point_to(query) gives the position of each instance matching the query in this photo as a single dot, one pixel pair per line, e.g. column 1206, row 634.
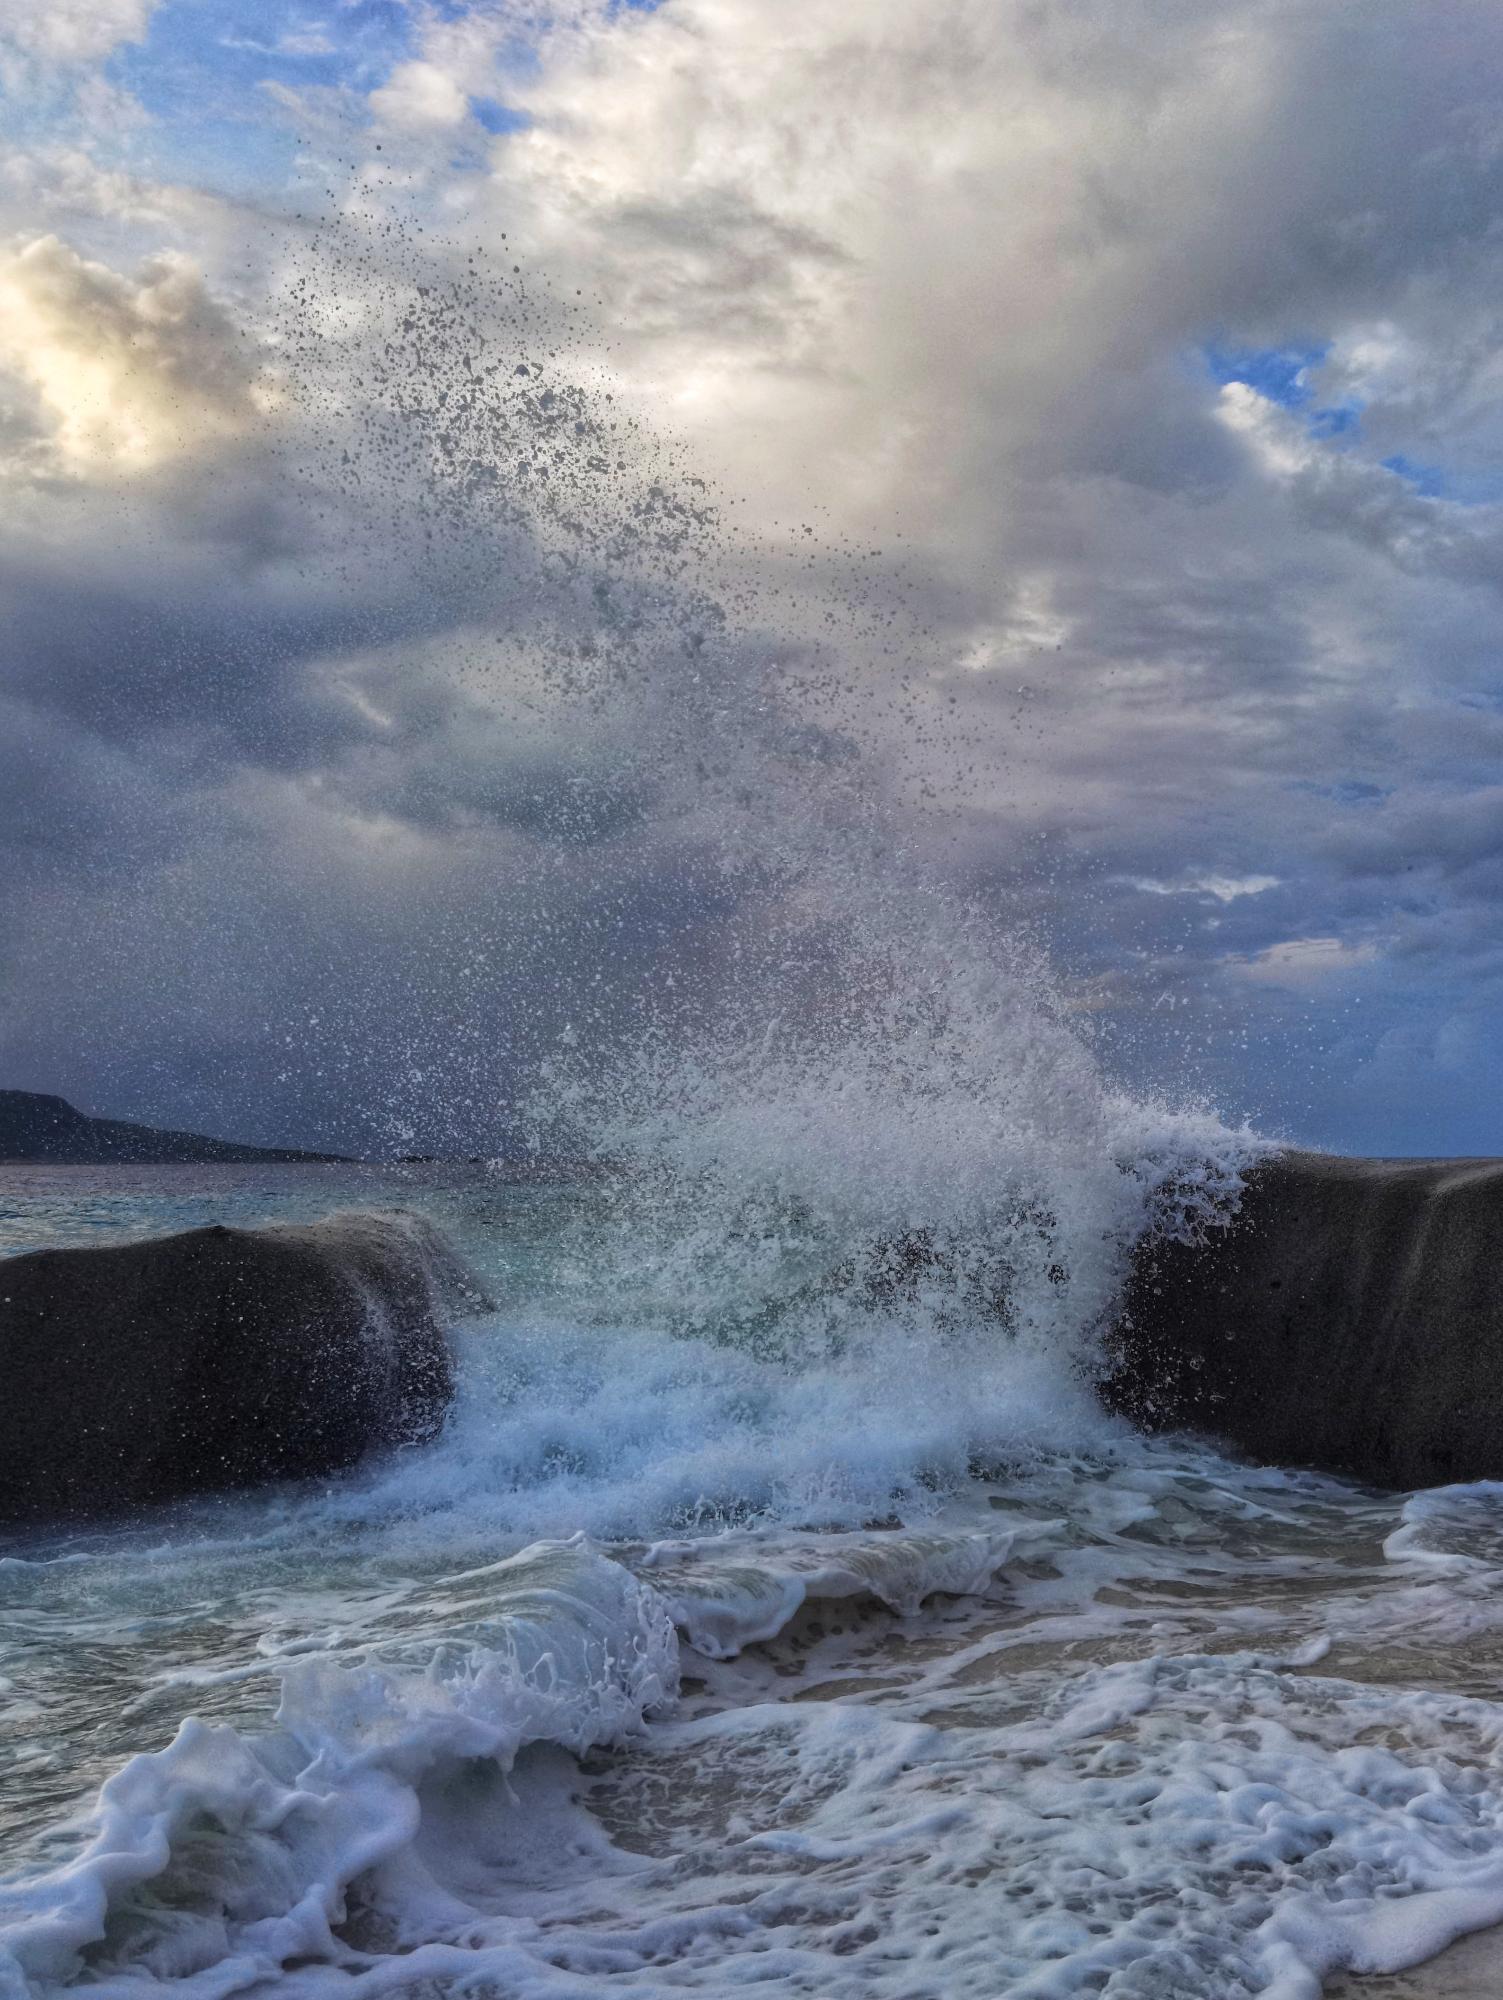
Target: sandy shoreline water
column 1470, row 1969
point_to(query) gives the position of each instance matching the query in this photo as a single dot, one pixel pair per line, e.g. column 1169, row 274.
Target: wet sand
column 1470, row 1969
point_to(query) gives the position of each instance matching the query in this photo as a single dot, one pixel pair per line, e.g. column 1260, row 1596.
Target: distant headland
column 38, row 1130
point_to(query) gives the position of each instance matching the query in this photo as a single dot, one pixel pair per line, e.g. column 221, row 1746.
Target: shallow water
column 694, row 1662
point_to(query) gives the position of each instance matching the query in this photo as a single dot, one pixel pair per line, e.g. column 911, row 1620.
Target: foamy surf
column 219, row 1861
column 215, row 1865
column 1132, row 1720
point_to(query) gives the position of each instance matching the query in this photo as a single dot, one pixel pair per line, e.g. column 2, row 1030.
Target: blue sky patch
column 1282, row 375
column 1279, row 373
column 201, row 68
column 1337, row 421
column 1426, row 479
column 1476, row 486
column 498, row 117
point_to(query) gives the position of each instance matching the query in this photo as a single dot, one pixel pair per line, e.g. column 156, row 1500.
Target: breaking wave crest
column 216, row 1864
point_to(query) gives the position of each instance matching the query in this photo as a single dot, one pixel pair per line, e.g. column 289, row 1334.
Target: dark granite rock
column 39, row 1130
column 219, row 1358
column 1351, row 1318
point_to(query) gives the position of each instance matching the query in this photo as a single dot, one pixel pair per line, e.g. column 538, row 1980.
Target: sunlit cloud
column 1304, row 962
column 129, row 370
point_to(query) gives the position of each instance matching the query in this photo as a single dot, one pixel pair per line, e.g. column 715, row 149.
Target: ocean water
column 840, row 1647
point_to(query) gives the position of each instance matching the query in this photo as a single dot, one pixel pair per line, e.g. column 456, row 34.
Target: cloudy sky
column 1086, row 412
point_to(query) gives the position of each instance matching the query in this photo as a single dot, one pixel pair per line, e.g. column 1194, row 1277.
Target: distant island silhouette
column 38, row 1129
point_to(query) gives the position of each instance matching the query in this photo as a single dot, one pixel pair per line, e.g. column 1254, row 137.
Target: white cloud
column 1225, row 888
column 420, row 96
column 130, row 371
column 73, row 31
column 1280, row 442
column 1304, row 962
column 455, row 59
column 893, row 249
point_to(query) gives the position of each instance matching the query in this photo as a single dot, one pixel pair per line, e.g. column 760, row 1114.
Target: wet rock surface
column 220, row 1358
column 1350, row 1318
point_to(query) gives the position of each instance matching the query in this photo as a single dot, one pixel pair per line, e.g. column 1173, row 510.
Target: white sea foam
column 219, row 1859
column 214, row 1864
column 1035, row 1784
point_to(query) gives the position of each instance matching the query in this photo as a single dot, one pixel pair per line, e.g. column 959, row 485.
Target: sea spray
column 732, row 761
column 928, row 1144
column 811, row 1048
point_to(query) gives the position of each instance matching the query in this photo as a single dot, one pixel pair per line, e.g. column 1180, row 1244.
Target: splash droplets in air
column 824, row 1087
